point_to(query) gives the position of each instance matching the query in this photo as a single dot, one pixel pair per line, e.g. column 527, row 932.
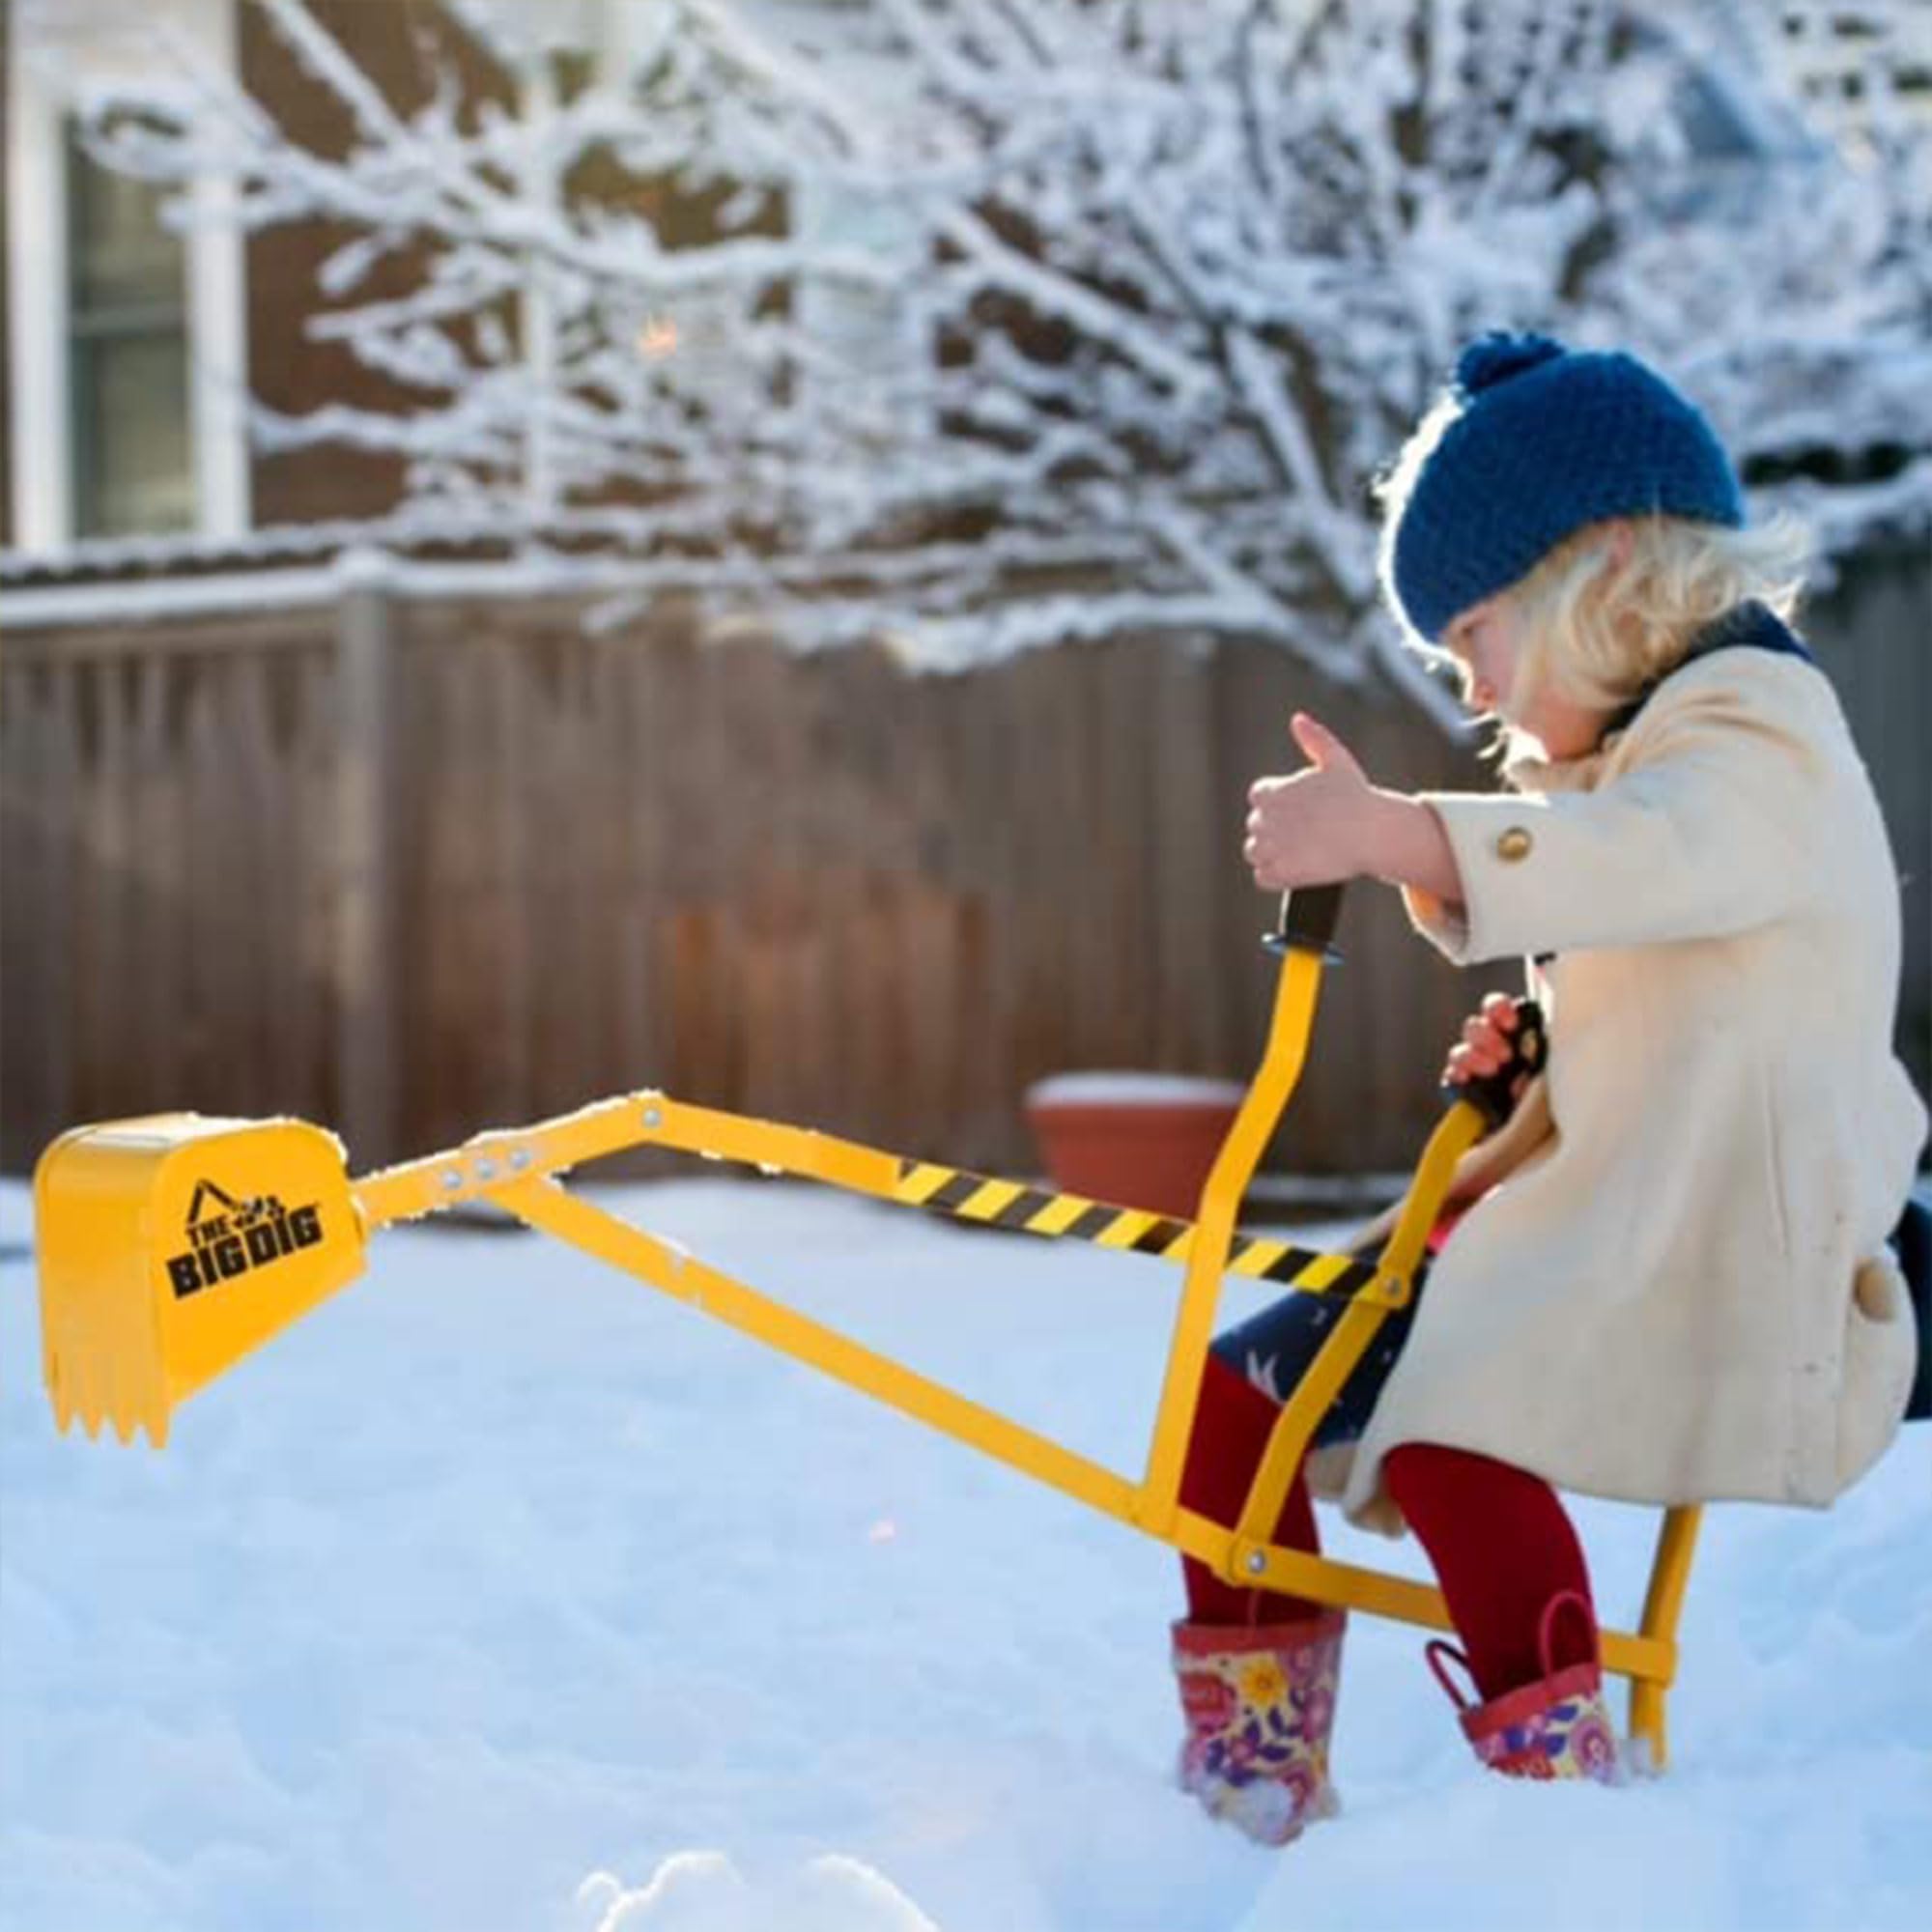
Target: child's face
column 1486, row 642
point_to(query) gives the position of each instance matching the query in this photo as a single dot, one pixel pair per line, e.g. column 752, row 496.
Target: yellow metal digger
column 172, row 1245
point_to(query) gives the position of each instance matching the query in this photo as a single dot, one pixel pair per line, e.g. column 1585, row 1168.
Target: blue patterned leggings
column 1274, row 1348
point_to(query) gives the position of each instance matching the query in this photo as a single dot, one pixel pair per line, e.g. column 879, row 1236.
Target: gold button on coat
column 1513, row 844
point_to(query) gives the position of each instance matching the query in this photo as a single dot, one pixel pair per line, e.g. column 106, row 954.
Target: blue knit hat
column 1546, row 440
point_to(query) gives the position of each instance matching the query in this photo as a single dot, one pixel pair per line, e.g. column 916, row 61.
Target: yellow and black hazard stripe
column 1033, row 1211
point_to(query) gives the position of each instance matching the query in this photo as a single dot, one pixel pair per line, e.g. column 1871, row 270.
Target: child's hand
column 1310, row 829
column 1485, row 1046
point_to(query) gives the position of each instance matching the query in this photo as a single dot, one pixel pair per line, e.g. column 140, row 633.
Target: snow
column 503, row 1593
column 1100, row 1087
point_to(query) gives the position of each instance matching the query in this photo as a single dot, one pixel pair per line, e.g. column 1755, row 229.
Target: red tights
column 1498, row 1538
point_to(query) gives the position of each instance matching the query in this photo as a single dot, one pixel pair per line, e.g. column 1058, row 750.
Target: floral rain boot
column 1258, row 1702
column 1557, row 1725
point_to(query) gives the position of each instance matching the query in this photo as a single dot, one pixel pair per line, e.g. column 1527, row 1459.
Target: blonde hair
column 1600, row 631
column 1600, row 635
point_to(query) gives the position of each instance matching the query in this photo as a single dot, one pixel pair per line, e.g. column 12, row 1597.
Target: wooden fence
column 415, row 868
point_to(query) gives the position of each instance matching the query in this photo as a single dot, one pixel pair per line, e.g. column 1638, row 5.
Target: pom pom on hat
column 1498, row 355
column 1541, row 441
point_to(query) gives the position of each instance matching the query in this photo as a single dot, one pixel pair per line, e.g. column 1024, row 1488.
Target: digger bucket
column 171, row 1246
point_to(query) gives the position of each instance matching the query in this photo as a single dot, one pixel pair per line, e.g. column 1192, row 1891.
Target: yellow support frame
column 518, row 1170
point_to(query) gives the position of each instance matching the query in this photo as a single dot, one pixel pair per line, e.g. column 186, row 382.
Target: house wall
column 296, row 373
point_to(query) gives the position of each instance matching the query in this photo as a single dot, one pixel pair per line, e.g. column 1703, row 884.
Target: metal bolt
column 486, row 1170
column 450, row 1177
column 1257, row 1564
column 654, row 1116
column 520, row 1159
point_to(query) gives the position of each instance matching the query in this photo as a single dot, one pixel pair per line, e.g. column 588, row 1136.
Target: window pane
column 123, row 257
column 133, row 464
column 135, row 471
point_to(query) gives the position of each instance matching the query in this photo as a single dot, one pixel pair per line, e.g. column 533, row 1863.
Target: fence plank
column 40, row 789
column 368, row 959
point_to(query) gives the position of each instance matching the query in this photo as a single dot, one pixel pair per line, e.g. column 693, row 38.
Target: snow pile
column 505, row 1596
column 703, row 1891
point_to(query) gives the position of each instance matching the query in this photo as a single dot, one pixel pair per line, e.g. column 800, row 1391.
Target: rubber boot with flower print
column 1557, row 1725
column 1259, row 1701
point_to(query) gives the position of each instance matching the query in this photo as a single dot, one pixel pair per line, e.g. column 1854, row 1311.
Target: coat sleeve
column 1704, row 834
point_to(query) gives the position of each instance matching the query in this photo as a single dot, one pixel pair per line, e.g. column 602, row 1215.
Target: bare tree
column 997, row 321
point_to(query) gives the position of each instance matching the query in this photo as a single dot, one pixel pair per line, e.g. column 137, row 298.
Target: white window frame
column 39, row 101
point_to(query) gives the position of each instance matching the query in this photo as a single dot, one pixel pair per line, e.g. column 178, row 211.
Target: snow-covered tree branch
column 1107, row 311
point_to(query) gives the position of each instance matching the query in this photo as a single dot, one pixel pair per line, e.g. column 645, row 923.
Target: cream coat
column 1684, row 1294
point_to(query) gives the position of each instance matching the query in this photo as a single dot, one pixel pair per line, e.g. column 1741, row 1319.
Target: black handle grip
column 1491, row 1094
column 1308, row 920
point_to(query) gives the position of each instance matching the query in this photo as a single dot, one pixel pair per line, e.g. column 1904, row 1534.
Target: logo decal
column 226, row 1237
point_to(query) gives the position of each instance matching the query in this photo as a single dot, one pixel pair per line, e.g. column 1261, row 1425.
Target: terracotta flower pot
column 1134, row 1140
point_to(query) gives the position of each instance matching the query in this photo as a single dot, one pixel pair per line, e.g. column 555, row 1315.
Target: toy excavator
column 173, row 1245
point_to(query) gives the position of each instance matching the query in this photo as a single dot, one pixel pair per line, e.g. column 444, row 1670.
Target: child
column 1683, row 1291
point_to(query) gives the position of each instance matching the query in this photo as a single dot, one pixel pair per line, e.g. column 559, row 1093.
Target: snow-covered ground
column 506, row 1596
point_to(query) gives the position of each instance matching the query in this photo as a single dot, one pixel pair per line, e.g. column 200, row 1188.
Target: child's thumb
column 1319, row 744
